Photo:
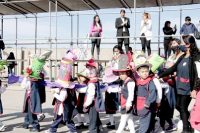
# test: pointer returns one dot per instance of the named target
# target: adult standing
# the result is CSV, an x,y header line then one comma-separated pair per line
x,y
185,83
188,27
167,30
96,31
122,24
146,33
2,47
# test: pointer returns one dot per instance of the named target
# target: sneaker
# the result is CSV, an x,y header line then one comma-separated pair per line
x,y
35,130
2,127
25,126
111,126
171,128
80,126
41,117
108,124
49,131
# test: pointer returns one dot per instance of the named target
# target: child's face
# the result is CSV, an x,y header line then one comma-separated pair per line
x,y
143,72
81,79
123,75
91,71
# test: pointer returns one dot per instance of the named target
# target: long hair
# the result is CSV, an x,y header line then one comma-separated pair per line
x,y
119,48
188,39
94,22
11,56
166,24
147,15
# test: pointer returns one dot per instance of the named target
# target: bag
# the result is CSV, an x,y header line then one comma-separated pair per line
x,y
197,35
94,34
99,101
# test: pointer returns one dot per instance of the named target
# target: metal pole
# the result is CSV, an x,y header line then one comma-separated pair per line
x,y
159,31
50,42
181,15
56,10
77,29
35,34
135,24
16,37
2,26
71,31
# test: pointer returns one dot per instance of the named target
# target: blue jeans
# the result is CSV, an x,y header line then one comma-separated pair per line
x,y
31,118
145,122
70,124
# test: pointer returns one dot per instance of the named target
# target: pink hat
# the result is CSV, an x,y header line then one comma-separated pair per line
x,y
109,77
91,62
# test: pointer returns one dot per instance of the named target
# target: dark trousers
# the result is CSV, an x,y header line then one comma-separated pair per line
x,y
182,104
95,121
167,47
59,119
165,113
31,118
10,70
146,43
146,123
125,40
96,42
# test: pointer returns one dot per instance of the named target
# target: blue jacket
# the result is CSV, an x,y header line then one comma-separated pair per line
x,y
188,29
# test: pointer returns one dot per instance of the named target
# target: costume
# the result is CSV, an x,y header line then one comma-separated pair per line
x,y
32,102
126,96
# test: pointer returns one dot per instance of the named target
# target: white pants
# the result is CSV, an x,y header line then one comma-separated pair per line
x,y
126,118
196,131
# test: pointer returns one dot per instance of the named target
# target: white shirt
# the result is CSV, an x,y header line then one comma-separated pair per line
x,y
158,89
82,89
26,84
146,28
131,89
123,20
61,97
113,88
90,94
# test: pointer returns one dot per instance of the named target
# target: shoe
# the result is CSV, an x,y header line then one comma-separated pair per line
x,y
126,128
2,127
25,126
171,128
111,126
108,124
41,118
81,126
35,130
49,131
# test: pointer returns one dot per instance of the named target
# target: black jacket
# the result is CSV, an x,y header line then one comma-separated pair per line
x,y
192,70
2,45
168,31
119,27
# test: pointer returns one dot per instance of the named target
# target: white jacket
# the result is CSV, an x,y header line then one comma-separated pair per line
x,y
146,29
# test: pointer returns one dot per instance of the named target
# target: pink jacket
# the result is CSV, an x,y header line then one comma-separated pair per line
x,y
195,114
93,29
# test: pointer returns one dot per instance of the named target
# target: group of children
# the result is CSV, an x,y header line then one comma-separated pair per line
x,y
132,89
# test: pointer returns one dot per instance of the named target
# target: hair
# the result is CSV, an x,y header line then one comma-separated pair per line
x,y
177,40
11,56
147,15
119,48
94,22
166,24
188,18
122,10
197,85
188,39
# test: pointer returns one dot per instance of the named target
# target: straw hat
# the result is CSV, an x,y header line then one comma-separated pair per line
x,y
83,74
140,61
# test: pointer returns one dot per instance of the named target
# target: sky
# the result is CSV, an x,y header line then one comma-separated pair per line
x,y
26,26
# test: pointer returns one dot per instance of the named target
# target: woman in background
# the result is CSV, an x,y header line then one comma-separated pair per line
x,y
96,31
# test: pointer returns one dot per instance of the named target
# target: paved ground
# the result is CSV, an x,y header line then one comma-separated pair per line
x,y
13,101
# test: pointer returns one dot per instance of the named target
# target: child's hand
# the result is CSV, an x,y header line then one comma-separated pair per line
x,y
128,109
146,106
193,94
53,91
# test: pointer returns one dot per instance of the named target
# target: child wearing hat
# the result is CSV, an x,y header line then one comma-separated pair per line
x,y
91,103
111,95
81,89
127,94
145,95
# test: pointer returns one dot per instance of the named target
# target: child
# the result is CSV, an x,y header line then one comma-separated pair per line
x,y
146,95
64,105
2,89
91,104
83,81
111,95
127,94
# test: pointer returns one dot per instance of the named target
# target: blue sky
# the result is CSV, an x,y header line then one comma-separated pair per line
x,y
26,26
